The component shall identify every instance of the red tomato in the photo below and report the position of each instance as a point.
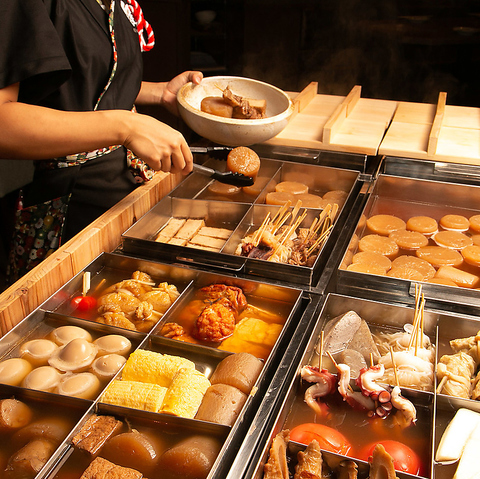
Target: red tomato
(84, 303)
(328, 438)
(404, 458)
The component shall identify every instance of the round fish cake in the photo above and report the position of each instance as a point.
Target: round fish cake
(404, 272)
(385, 224)
(454, 223)
(279, 198)
(366, 268)
(293, 187)
(408, 240)
(352, 246)
(422, 224)
(471, 255)
(476, 239)
(412, 262)
(379, 244)
(438, 256)
(373, 259)
(474, 223)
(452, 239)
(240, 370)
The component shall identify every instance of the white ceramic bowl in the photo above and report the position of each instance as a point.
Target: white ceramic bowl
(232, 131)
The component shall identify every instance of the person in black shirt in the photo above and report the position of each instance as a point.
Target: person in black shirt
(70, 77)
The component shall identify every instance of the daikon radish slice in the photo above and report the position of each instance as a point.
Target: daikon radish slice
(422, 224)
(454, 223)
(294, 187)
(475, 223)
(452, 239)
(459, 277)
(409, 240)
(385, 224)
(438, 256)
(376, 259)
(471, 255)
(379, 244)
(456, 435)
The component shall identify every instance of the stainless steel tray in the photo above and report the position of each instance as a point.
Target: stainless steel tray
(188, 200)
(436, 409)
(407, 197)
(109, 268)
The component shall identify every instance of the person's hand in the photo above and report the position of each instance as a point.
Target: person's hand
(169, 97)
(159, 145)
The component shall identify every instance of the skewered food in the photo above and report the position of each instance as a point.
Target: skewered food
(234, 106)
(291, 244)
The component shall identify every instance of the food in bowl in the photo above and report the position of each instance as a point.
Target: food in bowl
(234, 131)
(230, 105)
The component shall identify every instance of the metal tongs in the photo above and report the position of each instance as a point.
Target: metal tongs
(227, 177)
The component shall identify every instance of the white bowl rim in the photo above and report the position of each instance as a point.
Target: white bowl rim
(237, 121)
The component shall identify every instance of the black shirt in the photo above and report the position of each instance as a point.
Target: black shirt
(61, 53)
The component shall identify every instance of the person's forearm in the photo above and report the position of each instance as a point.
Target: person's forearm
(32, 132)
(151, 93)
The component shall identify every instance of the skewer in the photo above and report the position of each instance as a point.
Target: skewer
(332, 358)
(281, 211)
(85, 283)
(296, 209)
(259, 233)
(394, 367)
(322, 334)
(442, 383)
(319, 240)
(371, 360)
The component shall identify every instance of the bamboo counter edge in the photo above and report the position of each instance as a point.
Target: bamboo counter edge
(104, 234)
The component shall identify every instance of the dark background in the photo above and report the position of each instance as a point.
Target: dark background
(396, 50)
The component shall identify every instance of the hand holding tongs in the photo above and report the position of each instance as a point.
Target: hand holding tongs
(228, 177)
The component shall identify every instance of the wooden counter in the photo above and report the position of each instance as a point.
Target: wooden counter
(103, 235)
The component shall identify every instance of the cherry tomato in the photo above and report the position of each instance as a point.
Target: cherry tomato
(328, 438)
(404, 458)
(84, 303)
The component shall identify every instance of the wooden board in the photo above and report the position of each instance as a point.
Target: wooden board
(361, 127)
(103, 235)
(441, 132)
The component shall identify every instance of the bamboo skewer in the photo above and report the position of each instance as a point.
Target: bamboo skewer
(394, 367)
(322, 334)
(85, 283)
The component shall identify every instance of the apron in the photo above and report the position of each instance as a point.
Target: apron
(40, 226)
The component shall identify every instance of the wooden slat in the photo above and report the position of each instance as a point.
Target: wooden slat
(103, 235)
(343, 110)
(304, 97)
(437, 124)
